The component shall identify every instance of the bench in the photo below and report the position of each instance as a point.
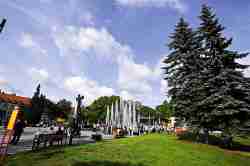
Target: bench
(47, 138)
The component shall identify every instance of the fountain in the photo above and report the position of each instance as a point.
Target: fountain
(122, 117)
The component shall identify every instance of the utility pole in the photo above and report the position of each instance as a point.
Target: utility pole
(2, 25)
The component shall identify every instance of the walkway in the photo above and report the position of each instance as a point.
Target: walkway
(25, 143)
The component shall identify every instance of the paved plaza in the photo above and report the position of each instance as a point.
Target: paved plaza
(25, 143)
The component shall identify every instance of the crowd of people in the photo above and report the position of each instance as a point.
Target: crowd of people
(58, 128)
(129, 131)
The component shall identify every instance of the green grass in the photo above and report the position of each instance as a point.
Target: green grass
(150, 150)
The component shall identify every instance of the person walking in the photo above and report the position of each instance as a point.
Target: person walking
(18, 130)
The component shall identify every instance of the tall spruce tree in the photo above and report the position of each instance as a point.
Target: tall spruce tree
(182, 70)
(37, 106)
(206, 82)
(225, 101)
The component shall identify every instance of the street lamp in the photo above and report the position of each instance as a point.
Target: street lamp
(2, 24)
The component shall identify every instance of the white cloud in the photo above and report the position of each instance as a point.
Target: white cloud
(126, 95)
(158, 71)
(86, 40)
(245, 61)
(175, 4)
(102, 44)
(164, 87)
(27, 41)
(134, 79)
(89, 88)
(40, 75)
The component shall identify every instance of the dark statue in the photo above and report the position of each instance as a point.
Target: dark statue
(79, 104)
(75, 128)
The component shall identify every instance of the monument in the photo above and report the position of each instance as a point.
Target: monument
(75, 129)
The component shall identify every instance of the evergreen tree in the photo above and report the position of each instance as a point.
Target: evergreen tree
(37, 106)
(37, 92)
(182, 69)
(224, 104)
(206, 82)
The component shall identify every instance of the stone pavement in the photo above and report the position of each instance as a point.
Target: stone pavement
(25, 143)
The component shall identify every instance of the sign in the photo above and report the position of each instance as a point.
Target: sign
(12, 120)
(7, 135)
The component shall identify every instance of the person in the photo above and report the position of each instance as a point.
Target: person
(18, 130)
(51, 130)
(146, 129)
(130, 131)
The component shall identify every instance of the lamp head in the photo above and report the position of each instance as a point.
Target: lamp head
(2, 24)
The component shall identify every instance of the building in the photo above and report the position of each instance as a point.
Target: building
(7, 104)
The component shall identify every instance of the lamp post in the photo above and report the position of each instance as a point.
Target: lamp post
(2, 24)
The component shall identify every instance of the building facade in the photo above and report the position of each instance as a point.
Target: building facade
(7, 104)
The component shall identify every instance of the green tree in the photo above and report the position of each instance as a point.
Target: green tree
(37, 106)
(182, 69)
(64, 108)
(52, 108)
(84, 113)
(97, 110)
(165, 110)
(145, 110)
(225, 101)
(207, 86)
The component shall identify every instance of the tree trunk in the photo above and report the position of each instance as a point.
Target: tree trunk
(206, 135)
(228, 141)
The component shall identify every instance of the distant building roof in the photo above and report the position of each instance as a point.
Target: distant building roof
(13, 99)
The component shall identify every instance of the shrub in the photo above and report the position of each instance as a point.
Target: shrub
(198, 137)
(97, 137)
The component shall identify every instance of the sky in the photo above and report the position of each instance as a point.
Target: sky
(101, 47)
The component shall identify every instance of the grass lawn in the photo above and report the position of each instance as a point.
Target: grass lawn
(150, 150)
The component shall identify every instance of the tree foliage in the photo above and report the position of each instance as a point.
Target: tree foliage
(182, 69)
(225, 104)
(146, 110)
(37, 106)
(97, 110)
(64, 108)
(39, 102)
(207, 86)
(165, 110)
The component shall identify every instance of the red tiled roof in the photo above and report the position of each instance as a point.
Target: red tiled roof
(13, 99)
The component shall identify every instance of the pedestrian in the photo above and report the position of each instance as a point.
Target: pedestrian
(130, 131)
(18, 130)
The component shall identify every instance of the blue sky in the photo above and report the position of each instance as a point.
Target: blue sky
(101, 47)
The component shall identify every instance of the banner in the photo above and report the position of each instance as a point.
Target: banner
(12, 120)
